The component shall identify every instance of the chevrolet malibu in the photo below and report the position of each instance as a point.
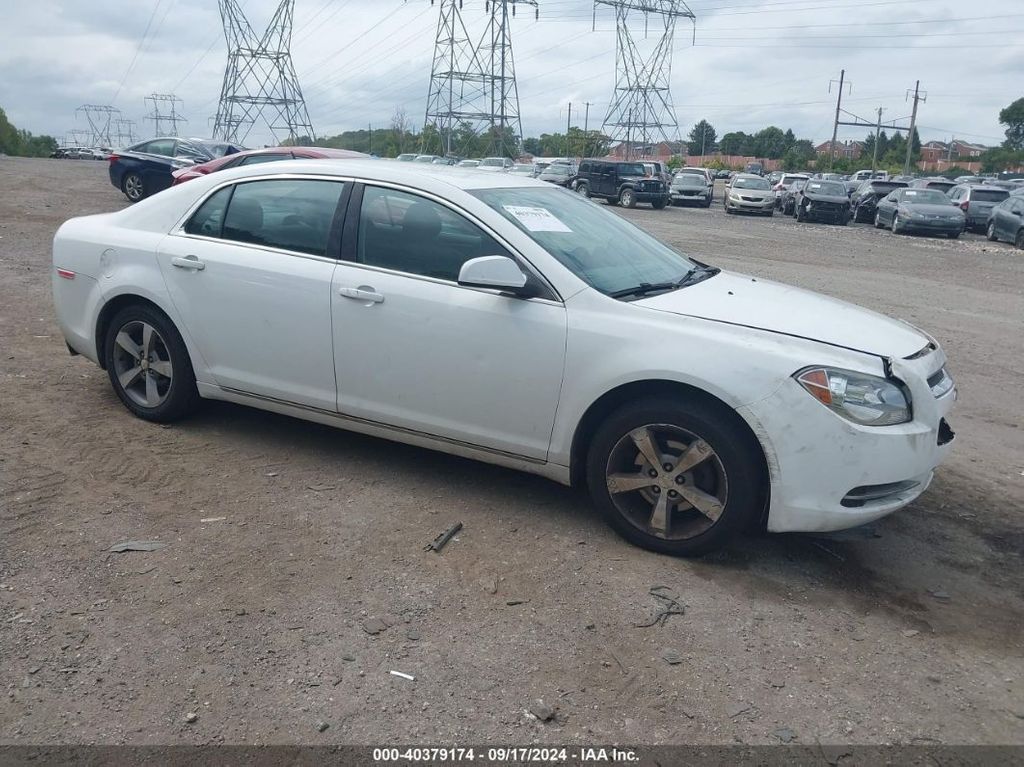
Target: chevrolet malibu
(503, 319)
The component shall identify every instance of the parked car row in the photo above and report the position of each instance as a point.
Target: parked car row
(81, 153)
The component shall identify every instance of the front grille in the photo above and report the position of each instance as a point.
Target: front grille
(750, 199)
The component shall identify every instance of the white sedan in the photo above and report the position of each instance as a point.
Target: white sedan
(500, 318)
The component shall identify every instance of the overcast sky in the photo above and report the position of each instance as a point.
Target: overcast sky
(755, 62)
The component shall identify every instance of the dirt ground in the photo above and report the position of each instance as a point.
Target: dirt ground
(259, 623)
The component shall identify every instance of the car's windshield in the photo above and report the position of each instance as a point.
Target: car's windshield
(522, 169)
(601, 248)
(491, 162)
(692, 178)
(924, 196)
(750, 183)
(826, 187)
(631, 169)
(556, 170)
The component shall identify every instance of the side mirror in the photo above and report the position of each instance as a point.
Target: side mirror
(184, 161)
(495, 273)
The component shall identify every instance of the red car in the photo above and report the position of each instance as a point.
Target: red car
(253, 156)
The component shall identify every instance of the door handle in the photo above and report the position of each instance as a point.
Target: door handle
(362, 294)
(188, 262)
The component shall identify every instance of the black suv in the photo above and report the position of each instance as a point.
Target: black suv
(622, 182)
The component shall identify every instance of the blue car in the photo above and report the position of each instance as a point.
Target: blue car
(146, 168)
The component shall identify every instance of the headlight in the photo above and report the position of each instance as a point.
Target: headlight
(858, 397)
(734, 196)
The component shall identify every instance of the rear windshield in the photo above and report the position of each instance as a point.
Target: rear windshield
(989, 195)
(942, 186)
(887, 186)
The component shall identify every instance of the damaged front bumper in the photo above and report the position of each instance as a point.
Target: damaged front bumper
(828, 473)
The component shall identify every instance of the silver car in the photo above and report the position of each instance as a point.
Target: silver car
(749, 193)
(976, 201)
(690, 187)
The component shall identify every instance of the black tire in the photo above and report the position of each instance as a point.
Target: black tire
(583, 188)
(953, 235)
(799, 213)
(627, 198)
(896, 229)
(878, 221)
(991, 232)
(1019, 240)
(707, 203)
(736, 455)
(659, 204)
(180, 396)
(133, 187)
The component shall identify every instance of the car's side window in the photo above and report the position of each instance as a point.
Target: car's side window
(256, 159)
(208, 221)
(412, 234)
(163, 147)
(291, 214)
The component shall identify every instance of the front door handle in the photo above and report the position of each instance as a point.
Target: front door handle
(188, 262)
(362, 294)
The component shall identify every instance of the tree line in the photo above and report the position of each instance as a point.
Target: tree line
(21, 143)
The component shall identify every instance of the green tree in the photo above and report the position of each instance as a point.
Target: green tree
(769, 142)
(22, 143)
(1013, 118)
(702, 138)
(732, 143)
(999, 159)
(799, 156)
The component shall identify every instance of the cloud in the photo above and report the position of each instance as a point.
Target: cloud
(754, 62)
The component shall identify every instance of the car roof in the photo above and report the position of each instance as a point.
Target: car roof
(747, 175)
(424, 176)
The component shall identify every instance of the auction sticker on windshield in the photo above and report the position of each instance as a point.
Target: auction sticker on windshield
(536, 219)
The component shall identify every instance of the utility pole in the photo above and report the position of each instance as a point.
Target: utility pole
(835, 125)
(703, 137)
(568, 123)
(369, 132)
(586, 127)
(878, 130)
(913, 121)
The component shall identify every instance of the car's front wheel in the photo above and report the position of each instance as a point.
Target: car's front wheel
(627, 199)
(991, 232)
(583, 188)
(149, 366)
(1019, 240)
(133, 187)
(878, 220)
(674, 476)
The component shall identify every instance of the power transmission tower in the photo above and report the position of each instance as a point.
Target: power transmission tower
(159, 118)
(260, 79)
(100, 118)
(918, 96)
(641, 106)
(125, 131)
(77, 137)
(473, 87)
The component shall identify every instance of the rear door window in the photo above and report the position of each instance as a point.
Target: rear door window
(164, 147)
(291, 214)
(208, 221)
(256, 159)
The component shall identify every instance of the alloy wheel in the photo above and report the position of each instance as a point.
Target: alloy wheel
(667, 481)
(142, 363)
(133, 187)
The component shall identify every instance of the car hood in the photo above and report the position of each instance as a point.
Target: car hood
(838, 199)
(932, 209)
(753, 192)
(777, 308)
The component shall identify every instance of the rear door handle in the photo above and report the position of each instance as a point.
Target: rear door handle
(362, 294)
(188, 262)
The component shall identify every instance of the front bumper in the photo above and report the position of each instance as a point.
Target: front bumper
(690, 195)
(929, 225)
(826, 213)
(754, 206)
(830, 474)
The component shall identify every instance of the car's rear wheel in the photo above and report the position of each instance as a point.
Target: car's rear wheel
(583, 188)
(149, 366)
(133, 187)
(674, 476)
(627, 199)
(953, 235)
(1019, 240)
(991, 231)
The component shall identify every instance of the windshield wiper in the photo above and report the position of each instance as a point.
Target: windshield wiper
(696, 274)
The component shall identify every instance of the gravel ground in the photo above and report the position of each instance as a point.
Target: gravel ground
(295, 578)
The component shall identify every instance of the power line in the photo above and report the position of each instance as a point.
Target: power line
(142, 42)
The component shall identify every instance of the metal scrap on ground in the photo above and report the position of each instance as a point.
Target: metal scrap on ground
(669, 606)
(440, 541)
(137, 546)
